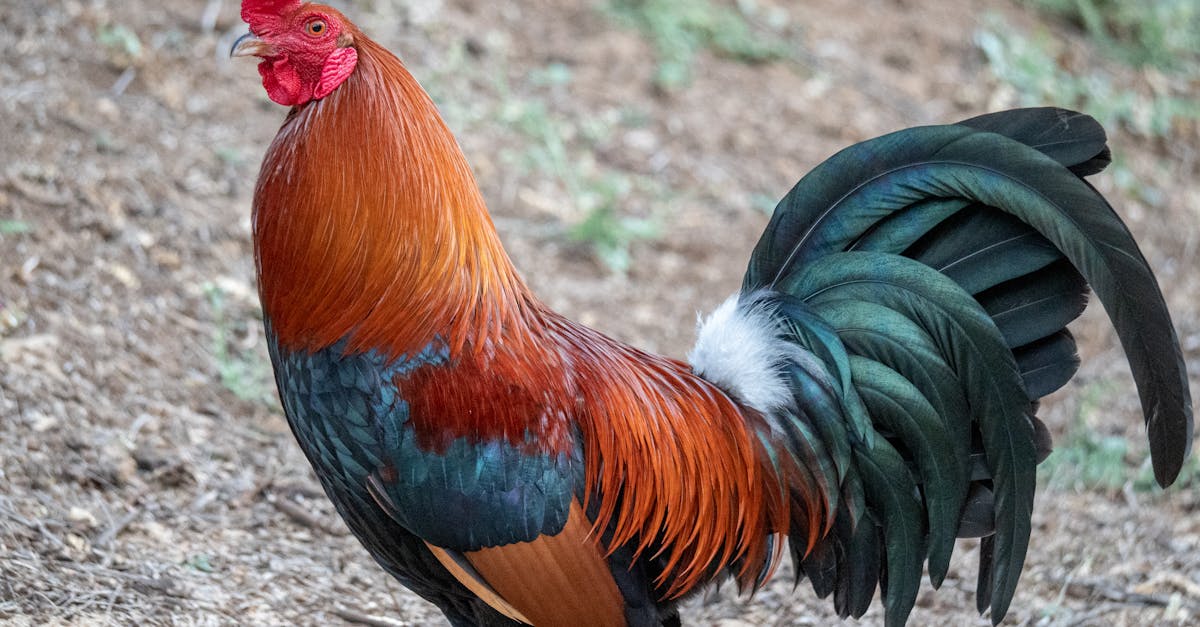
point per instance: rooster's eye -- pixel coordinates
(316, 27)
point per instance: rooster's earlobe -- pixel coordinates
(338, 67)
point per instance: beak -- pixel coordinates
(249, 45)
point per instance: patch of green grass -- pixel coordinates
(554, 74)
(1085, 459)
(120, 38)
(548, 151)
(229, 155)
(543, 145)
(606, 231)
(1162, 33)
(679, 30)
(245, 373)
(200, 562)
(1029, 63)
(1089, 460)
(597, 191)
(14, 227)
(1094, 461)
(539, 144)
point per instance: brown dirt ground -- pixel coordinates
(137, 489)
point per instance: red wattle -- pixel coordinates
(283, 83)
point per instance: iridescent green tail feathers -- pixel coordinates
(932, 272)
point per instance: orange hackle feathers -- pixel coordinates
(676, 466)
(388, 265)
(369, 228)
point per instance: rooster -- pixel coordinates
(867, 397)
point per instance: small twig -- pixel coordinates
(162, 585)
(351, 616)
(1186, 586)
(296, 489)
(10, 593)
(41, 528)
(304, 517)
(1065, 583)
(1111, 593)
(1096, 612)
(123, 81)
(117, 527)
(32, 192)
(112, 601)
(260, 488)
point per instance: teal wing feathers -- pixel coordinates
(349, 422)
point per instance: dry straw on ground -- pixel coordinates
(147, 475)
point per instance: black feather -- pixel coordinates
(1048, 363)
(1073, 139)
(983, 586)
(1036, 305)
(1003, 237)
(980, 247)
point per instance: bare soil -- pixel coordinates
(136, 487)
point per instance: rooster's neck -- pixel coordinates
(368, 225)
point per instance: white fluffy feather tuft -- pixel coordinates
(738, 348)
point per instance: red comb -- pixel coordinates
(255, 12)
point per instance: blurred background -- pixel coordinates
(630, 151)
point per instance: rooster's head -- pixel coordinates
(307, 50)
